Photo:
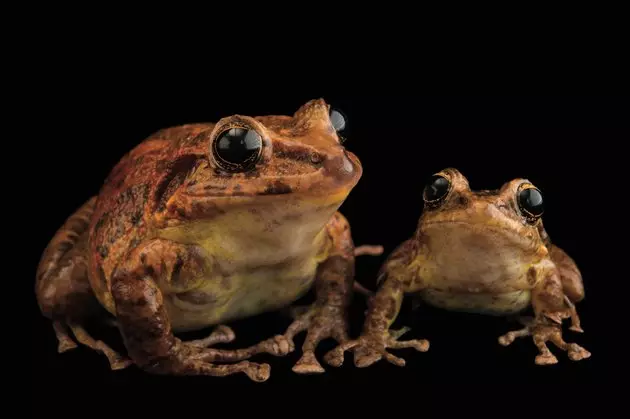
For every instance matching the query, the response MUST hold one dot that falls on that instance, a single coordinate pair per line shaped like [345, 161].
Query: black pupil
[338, 120]
[531, 201]
[437, 188]
[238, 146]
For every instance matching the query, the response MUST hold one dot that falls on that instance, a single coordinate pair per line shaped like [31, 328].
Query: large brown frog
[203, 224]
[475, 251]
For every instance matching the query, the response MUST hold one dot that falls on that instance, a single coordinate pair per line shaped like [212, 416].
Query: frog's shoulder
[338, 236]
[137, 185]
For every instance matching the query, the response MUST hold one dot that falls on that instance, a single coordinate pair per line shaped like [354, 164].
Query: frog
[203, 224]
[475, 251]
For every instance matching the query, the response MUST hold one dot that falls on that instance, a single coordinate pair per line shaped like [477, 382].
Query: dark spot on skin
[225, 283]
[180, 212]
[136, 217]
[177, 267]
[390, 312]
[276, 188]
[142, 301]
[134, 242]
[192, 182]
[177, 172]
[462, 200]
[407, 282]
[215, 187]
[143, 259]
[102, 250]
[531, 276]
[99, 223]
[299, 155]
[150, 271]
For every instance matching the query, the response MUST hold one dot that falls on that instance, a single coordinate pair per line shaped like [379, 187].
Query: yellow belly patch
[240, 295]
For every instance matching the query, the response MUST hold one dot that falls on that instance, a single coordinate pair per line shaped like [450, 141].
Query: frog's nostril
[316, 158]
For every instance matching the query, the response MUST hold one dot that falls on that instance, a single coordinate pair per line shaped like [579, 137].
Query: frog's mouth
[333, 179]
[494, 234]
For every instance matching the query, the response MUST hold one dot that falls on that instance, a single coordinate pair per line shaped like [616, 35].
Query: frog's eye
[530, 201]
[237, 149]
[338, 121]
[437, 189]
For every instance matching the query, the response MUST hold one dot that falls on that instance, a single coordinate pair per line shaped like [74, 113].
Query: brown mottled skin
[176, 241]
[480, 252]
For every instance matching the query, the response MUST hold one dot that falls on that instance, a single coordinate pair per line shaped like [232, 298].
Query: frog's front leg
[327, 316]
[144, 321]
[397, 279]
[551, 306]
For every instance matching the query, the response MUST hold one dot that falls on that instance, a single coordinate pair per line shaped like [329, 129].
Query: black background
[564, 145]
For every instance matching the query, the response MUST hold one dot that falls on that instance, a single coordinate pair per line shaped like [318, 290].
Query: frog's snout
[342, 165]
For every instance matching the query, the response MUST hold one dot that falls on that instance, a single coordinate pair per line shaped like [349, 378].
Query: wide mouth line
[473, 224]
[505, 229]
[223, 193]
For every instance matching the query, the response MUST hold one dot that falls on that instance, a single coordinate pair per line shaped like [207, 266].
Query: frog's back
[135, 189]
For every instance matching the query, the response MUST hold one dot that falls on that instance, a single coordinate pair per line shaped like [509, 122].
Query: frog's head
[509, 217]
[293, 161]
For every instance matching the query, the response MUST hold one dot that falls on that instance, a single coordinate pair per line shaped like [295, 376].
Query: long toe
[308, 364]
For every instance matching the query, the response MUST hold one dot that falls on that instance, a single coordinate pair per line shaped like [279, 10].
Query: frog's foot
[509, 337]
[195, 358]
[221, 334]
[192, 360]
[116, 361]
[63, 337]
[321, 322]
[370, 349]
[541, 335]
[574, 351]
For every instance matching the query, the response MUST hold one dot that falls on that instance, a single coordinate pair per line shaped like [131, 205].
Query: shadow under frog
[203, 224]
[480, 252]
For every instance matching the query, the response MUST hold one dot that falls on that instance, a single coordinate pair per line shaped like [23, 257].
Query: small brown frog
[475, 251]
[203, 224]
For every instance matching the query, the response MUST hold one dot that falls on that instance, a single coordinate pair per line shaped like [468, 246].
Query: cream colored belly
[240, 295]
[492, 304]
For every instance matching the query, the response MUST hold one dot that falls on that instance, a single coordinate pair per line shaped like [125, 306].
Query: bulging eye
[530, 201]
[237, 149]
[338, 121]
[436, 189]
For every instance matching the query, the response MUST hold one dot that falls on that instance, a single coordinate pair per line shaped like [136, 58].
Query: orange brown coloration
[181, 238]
[475, 251]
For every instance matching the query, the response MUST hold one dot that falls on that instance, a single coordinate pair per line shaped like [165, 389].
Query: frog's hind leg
[62, 288]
